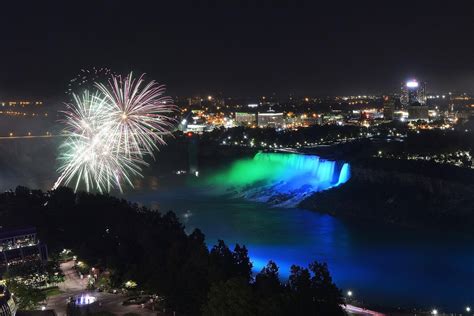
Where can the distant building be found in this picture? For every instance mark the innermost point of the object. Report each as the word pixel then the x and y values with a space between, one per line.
pixel 388 107
pixel 417 111
pixel 245 119
pixel 21 103
pixel 198 128
pixel 413 98
pixel 270 119
pixel 413 91
pixel 20 245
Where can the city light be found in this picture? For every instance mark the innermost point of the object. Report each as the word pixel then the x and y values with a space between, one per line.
pixel 412 84
pixel 468 309
pixel 434 312
pixel 349 293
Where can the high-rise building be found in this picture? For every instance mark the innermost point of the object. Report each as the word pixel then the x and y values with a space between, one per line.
pixel 418 111
pixel 388 107
pixel 413 91
pixel 20 245
pixel 413 98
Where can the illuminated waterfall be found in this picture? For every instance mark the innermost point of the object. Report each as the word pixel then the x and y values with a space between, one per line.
pixel 282 179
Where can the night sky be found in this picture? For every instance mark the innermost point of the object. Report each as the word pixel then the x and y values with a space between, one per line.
pixel 239 49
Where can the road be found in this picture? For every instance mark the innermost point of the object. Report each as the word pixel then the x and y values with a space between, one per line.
pixel 73 285
pixel 354 310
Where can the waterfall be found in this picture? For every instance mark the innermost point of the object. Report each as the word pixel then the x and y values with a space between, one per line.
pixel 345 174
pixel 282 179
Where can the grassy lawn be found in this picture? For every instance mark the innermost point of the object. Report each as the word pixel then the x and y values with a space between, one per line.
pixel 52 291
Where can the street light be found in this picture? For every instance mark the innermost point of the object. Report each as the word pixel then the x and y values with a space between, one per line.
pixel 468 309
pixel 349 293
pixel 434 312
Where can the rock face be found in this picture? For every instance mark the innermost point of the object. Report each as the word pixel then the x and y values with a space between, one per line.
pixel 409 195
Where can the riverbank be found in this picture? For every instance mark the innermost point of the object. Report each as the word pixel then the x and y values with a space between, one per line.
pixel 412 195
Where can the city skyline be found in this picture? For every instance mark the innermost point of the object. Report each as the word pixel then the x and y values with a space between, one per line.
pixel 240 49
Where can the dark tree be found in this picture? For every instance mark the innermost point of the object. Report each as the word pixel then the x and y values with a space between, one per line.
pixel 221 263
pixel 267 282
pixel 230 298
pixel 314 294
pixel 243 266
pixel 269 292
pixel 329 298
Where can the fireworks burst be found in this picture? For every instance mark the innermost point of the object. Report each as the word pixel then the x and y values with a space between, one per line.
pixel 139 114
pixel 111 131
pixel 86 79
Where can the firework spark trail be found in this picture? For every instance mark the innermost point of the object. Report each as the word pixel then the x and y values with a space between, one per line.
pixel 109 133
pixel 86 78
pixel 139 115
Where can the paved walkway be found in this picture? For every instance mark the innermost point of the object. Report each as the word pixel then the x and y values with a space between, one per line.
pixel 72 282
pixel 73 285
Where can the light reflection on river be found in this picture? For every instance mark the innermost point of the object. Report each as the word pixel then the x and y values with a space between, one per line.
pixel 381 264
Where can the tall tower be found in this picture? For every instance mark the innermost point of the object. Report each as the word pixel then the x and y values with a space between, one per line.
pixel 413 98
pixel 388 107
pixel 413 91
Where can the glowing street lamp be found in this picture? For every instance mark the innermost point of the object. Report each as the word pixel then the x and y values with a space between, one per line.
pixel 349 293
pixel 434 312
pixel 468 309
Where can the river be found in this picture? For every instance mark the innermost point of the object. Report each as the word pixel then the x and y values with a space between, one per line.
pixel 380 264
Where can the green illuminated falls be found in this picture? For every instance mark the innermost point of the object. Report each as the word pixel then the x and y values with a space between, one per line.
pixel 282 179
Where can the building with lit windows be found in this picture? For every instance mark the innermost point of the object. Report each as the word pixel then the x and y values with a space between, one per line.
pixel 245 119
pixel 417 111
pixel 20 245
pixel 413 91
pixel 413 99
pixel 270 119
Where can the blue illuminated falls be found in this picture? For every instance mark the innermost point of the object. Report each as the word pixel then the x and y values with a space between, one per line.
pixel 282 179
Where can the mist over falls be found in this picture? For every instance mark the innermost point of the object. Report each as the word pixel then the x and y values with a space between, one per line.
pixel 28 162
pixel 280 179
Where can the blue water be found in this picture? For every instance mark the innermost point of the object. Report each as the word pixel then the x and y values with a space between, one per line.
pixel 381 264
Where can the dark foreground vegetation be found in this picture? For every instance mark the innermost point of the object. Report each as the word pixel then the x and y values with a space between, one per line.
pixel 153 250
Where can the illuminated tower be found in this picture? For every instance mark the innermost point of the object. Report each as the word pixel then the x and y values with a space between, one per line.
pixel 413 98
pixel 412 92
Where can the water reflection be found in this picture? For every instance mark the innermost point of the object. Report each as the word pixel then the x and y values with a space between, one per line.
pixel 383 264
